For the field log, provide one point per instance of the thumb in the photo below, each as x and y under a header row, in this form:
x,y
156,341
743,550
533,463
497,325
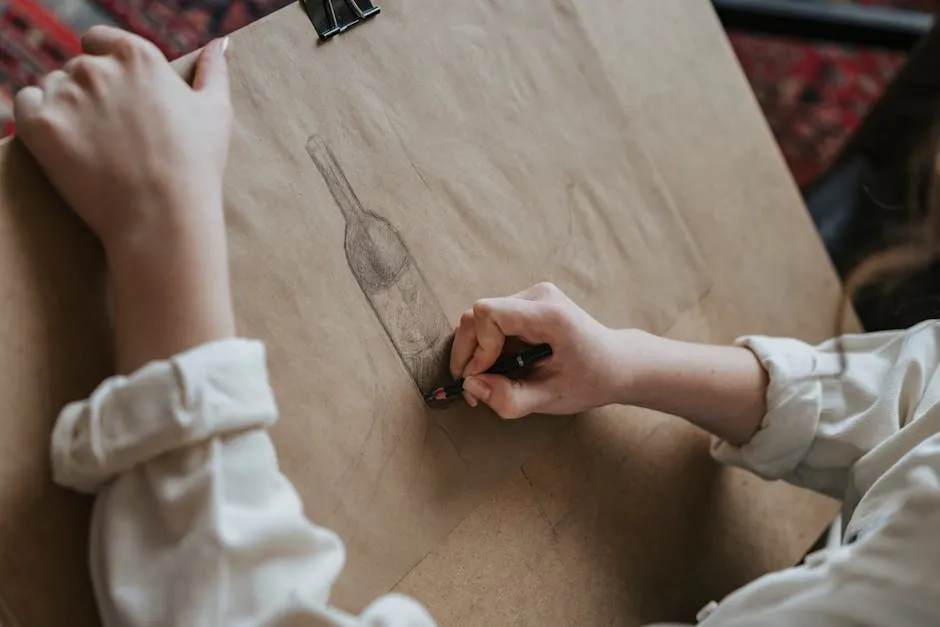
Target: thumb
x,y
510,398
212,68
26,108
495,319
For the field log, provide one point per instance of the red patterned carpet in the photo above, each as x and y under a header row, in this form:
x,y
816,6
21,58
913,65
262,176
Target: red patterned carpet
x,y
813,95
180,26
36,39
33,41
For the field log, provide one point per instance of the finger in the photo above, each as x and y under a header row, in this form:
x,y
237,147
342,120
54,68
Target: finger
x,y
465,342
26,106
83,63
103,40
89,71
470,399
72,64
496,318
51,82
542,291
124,46
510,398
212,69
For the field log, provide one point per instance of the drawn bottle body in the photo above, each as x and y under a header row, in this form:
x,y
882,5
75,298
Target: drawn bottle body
x,y
397,291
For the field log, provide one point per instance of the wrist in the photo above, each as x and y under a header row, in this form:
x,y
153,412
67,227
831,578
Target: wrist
x,y
631,359
721,389
152,229
171,288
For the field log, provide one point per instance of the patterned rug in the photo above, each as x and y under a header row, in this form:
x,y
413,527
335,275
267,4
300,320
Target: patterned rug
x,y
33,41
813,95
38,36
180,26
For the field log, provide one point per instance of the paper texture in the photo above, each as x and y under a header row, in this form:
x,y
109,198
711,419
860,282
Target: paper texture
x,y
55,349
377,186
622,518
488,143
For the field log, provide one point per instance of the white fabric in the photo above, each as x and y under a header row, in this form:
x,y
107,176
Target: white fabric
x,y
195,525
863,427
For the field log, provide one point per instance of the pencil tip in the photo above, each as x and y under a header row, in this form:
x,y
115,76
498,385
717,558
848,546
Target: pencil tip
x,y
437,395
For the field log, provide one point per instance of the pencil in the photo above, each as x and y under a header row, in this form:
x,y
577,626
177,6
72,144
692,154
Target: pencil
x,y
505,365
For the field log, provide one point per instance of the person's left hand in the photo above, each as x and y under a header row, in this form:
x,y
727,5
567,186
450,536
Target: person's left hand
x,y
140,155
126,142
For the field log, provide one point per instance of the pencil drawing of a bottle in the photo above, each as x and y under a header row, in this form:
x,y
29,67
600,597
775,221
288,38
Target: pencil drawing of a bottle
x,y
388,276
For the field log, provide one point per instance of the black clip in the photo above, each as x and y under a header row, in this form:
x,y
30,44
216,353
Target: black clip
x,y
330,20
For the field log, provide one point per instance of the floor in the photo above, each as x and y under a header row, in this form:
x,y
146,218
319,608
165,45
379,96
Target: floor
x,y
80,15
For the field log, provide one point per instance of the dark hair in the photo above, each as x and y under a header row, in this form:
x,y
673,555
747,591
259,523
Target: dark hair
x,y
896,282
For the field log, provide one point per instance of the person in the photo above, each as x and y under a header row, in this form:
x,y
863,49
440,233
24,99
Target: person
x,y
195,525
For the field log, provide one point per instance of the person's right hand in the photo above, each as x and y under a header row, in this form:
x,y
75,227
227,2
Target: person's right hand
x,y
587,368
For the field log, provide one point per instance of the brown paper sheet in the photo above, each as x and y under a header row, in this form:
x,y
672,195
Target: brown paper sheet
x,y
493,146
622,519
55,349
377,185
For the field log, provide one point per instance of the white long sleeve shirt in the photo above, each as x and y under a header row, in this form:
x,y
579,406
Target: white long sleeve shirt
x,y
194,524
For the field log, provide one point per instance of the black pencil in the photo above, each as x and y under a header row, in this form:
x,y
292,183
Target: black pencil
x,y
504,365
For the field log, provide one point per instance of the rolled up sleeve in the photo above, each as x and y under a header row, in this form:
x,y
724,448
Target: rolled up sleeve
x,y
829,405
194,524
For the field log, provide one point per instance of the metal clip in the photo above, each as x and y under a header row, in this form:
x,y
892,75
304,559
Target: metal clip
x,y
330,20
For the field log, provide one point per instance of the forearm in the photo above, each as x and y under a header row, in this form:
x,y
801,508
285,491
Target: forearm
x,y
721,389
171,290
192,505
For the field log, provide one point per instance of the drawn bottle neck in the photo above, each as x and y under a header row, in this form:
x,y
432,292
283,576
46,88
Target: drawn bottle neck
x,y
336,180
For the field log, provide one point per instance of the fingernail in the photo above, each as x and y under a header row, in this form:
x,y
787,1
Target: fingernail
x,y
221,46
471,399
477,388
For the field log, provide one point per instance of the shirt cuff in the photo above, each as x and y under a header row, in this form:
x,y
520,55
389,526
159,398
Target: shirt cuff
x,y
217,388
794,405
